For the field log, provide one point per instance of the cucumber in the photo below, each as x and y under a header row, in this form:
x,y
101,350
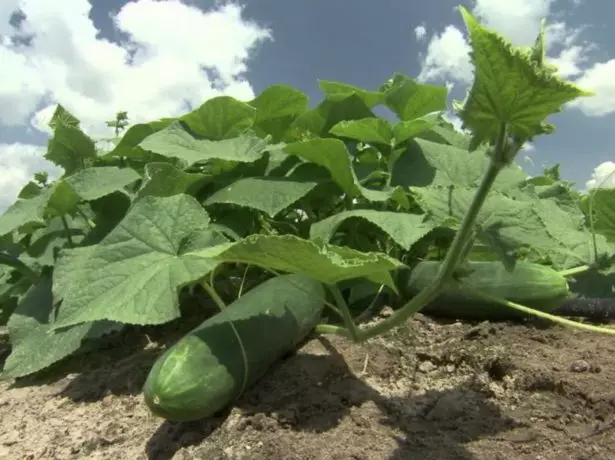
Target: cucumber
x,y
529,284
204,371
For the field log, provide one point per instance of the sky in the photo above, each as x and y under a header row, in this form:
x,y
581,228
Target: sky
x,y
157,59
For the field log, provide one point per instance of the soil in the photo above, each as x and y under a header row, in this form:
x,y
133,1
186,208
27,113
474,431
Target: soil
x,y
427,390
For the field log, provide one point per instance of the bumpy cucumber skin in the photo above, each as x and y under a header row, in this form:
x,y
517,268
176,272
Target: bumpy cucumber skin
x,y
204,371
533,285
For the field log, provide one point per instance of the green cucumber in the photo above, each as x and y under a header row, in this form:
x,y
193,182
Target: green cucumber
x,y
204,371
529,284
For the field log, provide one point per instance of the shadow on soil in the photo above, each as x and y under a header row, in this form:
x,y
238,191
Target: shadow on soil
x,y
313,393
304,393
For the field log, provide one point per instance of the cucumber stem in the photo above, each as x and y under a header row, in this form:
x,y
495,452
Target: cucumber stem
x,y
574,271
539,313
453,255
69,237
354,331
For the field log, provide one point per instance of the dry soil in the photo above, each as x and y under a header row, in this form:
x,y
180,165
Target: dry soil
x,y
427,390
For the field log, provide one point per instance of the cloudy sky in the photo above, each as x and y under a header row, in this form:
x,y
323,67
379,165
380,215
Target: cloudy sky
x,y
157,58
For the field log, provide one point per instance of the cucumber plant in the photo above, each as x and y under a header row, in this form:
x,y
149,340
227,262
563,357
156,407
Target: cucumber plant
x,y
234,192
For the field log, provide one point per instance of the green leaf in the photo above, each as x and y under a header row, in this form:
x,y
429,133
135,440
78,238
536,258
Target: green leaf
x,y
175,141
331,154
318,121
447,134
65,274
429,163
519,221
24,211
337,91
405,130
62,200
405,229
410,100
269,195
163,179
324,262
279,101
70,148
603,211
62,117
134,273
34,345
277,107
135,134
503,222
45,242
30,190
96,182
221,117
570,243
509,88
367,130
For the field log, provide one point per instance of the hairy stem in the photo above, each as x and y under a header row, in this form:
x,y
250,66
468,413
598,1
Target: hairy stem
x,y
455,251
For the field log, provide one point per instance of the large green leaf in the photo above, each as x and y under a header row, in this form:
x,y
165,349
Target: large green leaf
x,y
321,261
267,194
134,273
34,345
221,117
405,229
175,141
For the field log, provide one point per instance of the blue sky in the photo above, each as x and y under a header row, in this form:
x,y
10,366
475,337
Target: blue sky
x,y
148,57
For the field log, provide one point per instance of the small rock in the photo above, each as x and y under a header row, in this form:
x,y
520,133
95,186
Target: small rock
x,y
427,366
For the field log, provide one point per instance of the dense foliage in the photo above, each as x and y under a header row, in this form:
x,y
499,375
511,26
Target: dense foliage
x,y
244,190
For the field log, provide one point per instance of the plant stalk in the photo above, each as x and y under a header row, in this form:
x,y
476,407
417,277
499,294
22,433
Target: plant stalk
x,y
455,251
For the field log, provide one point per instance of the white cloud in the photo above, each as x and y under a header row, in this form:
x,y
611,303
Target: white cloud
x,y
175,54
447,57
603,176
420,32
18,163
518,21
599,78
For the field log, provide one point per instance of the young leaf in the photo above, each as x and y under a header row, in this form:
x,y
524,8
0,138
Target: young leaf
x,y
70,148
509,88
